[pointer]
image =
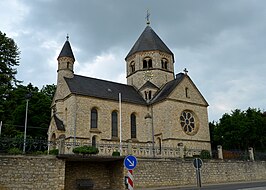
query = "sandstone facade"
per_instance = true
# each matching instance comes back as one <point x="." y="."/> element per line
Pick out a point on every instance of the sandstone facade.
<point x="157" y="106"/>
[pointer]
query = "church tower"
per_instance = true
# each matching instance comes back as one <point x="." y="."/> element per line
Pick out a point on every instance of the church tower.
<point x="150" y="63"/>
<point x="66" y="61"/>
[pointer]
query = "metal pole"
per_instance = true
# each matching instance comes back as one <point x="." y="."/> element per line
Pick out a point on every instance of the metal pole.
<point x="152" y="131"/>
<point x="120" y="122"/>
<point x="0" y="127"/>
<point x="75" y="122"/>
<point x="25" y="130"/>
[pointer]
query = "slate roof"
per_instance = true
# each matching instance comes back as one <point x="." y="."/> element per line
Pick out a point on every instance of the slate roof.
<point x="148" y="84"/>
<point x="103" y="89"/>
<point x="148" y="41"/>
<point x="59" y="124"/>
<point x="66" y="51"/>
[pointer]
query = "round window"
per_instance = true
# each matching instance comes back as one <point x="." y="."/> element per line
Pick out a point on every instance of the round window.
<point x="188" y="123"/>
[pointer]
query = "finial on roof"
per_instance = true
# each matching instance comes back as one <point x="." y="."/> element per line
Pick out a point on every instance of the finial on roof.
<point x="67" y="37"/>
<point x="148" y="17"/>
<point x="186" y="71"/>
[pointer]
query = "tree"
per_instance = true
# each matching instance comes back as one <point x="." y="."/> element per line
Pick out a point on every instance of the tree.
<point x="240" y="130"/>
<point x="39" y="113"/>
<point x="49" y="90"/>
<point x="9" y="58"/>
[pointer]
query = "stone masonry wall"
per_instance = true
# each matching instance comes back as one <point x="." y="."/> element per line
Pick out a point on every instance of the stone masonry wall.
<point x="161" y="172"/>
<point x="103" y="175"/>
<point x="28" y="172"/>
<point x="50" y="173"/>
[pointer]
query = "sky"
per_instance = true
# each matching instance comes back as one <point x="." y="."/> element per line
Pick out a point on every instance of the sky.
<point x="221" y="43"/>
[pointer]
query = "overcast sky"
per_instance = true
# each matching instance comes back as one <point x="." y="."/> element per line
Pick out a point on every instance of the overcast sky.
<point x="221" y="43"/>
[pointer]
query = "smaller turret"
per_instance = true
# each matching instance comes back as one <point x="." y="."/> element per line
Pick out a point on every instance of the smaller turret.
<point x="66" y="61"/>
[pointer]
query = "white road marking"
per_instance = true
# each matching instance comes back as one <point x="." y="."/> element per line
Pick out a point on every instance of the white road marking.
<point x="254" y="188"/>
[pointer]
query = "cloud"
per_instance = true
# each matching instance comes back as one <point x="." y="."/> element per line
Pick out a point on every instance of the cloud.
<point x="106" y="66"/>
<point x="221" y="43"/>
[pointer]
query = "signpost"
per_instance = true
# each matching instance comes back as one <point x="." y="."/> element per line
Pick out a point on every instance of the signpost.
<point x="197" y="162"/>
<point x="130" y="162"/>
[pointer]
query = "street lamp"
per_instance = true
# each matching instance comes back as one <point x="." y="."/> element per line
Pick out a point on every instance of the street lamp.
<point x="27" y="96"/>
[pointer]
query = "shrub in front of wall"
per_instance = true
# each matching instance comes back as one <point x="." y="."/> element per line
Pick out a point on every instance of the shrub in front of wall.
<point x="116" y="153"/>
<point x="205" y="154"/>
<point x="86" y="150"/>
<point x="54" y="152"/>
<point x="14" y="151"/>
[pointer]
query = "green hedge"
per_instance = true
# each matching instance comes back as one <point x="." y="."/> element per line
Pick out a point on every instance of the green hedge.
<point x="54" y="152"/>
<point x="205" y="154"/>
<point x="86" y="150"/>
<point x="116" y="153"/>
<point x="14" y="151"/>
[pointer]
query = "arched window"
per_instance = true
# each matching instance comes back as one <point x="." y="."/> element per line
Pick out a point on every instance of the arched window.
<point x="186" y="91"/>
<point x="146" y="95"/>
<point x="114" y="124"/>
<point x="164" y="63"/>
<point x="93" y="141"/>
<point x="149" y="94"/>
<point x="145" y="65"/>
<point x="94" y="118"/>
<point x="150" y="63"/>
<point x="65" y="116"/>
<point x="133" y="126"/>
<point x="67" y="65"/>
<point x="132" y="66"/>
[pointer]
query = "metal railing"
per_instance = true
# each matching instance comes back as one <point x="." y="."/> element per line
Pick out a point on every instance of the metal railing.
<point x="31" y="145"/>
<point x="105" y="149"/>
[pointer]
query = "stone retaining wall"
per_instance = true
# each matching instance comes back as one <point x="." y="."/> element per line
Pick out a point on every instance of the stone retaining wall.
<point x="31" y="172"/>
<point x="162" y="172"/>
<point x="51" y="173"/>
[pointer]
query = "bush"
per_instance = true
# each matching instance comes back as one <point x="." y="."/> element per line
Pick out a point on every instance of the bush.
<point x="86" y="150"/>
<point x="205" y="154"/>
<point x="54" y="152"/>
<point x="116" y="153"/>
<point x="14" y="151"/>
<point x="38" y="153"/>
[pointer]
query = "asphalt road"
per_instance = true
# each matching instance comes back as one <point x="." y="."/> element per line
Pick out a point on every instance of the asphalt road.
<point x="234" y="186"/>
<point x="231" y="186"/>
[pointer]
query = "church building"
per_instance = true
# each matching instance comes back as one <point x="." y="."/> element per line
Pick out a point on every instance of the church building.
<point x="156" y="108"/>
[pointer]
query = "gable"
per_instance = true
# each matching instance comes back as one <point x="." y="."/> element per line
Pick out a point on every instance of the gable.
<point x="187" y="91"/>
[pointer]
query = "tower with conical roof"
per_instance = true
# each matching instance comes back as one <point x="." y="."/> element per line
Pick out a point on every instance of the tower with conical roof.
<point x="150" y="63"/>
<point x="66" y="61"/>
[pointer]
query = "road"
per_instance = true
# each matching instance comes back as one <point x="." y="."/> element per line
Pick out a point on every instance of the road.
<point x="232" y="186"/>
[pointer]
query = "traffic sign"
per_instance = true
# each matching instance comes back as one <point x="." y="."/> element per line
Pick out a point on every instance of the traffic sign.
<point x="197" y="162"/>
<point x="130" y="162"/>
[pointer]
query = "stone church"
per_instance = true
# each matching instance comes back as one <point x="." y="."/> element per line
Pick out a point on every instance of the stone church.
<point x="156" y="108"/>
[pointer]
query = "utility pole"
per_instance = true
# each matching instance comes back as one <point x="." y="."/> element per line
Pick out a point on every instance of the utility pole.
<point x="28" y="96"/>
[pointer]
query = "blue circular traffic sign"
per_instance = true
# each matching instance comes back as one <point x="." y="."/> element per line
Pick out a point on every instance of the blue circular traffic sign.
<point x="130" y="162"/>
<point x="197" y="162"/>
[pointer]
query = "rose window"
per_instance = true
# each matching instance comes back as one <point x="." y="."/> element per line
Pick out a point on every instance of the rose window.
<point x="187" y="121"/>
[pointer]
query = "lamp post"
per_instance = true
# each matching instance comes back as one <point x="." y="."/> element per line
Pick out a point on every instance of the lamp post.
<point x="27" y="96"/>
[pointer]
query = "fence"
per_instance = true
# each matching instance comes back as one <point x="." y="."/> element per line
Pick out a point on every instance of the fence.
<point x="107" y="149"/>
<point x="137" y="149"/>
<point x="31" y="145"/>
<point x="249" y="154"/>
